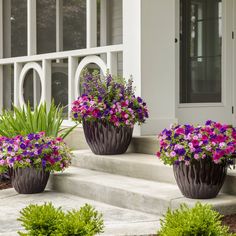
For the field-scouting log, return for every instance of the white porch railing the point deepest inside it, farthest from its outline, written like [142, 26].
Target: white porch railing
[104, 57]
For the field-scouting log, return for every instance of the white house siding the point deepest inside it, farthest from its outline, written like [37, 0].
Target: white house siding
[115, 28]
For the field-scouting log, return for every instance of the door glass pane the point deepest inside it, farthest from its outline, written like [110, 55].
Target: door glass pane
[200, 51]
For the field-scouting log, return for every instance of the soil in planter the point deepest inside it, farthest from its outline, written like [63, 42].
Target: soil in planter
[230, 221]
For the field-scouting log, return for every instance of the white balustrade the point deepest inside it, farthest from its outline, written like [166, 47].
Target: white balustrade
[42, 64]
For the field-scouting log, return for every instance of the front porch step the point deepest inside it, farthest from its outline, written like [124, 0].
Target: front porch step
[131, 193]
[139, 144]
[129, 164]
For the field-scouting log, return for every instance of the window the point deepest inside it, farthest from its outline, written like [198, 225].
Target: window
[200, 51]
[15, 28]
[46, 26]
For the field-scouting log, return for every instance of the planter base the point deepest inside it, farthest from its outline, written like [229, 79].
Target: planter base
[202, 179]
[106, 139]
[29, 180]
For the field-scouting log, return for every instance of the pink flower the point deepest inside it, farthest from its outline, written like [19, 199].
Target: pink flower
[179, 131]
[158, 154]
[173, 154]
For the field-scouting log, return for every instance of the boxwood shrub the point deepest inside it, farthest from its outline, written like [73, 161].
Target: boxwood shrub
[47, 220]
[201, 220]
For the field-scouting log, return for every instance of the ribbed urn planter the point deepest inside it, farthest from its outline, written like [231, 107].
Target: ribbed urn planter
[106, 139]
[29, 180]
[202, 179]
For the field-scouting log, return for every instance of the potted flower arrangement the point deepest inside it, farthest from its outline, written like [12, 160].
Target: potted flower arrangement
[31, 158]
[108, 110]
[200, 156]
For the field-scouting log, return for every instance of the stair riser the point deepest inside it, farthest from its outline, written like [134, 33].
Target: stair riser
[131, 169]
[229, 186]
[147, 145]
[146, 171]
[109, 195]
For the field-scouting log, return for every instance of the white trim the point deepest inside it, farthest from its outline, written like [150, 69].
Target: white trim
[46, 82]
[72, 65]
[64, 54]
[193, 105]
[91, 23]
[177, 55]
[25, 69]
[112, 62]
[17, 72]
[1, 28]
[31, 27]
[87, 60]
[234, 62]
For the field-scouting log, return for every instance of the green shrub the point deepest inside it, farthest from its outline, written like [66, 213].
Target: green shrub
[46, 220]
[86, 221]
[41, 220]
[201, 220]
[23, 121]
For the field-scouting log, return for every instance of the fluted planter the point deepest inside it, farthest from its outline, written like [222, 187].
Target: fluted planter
[29, 180]
[202, 179]
[105, 139]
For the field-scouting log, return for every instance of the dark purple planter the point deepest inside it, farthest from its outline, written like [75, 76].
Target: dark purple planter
[106, 139]
[202, 179]
[29, 180]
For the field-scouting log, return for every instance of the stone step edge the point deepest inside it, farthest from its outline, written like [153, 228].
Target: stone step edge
[127, 198]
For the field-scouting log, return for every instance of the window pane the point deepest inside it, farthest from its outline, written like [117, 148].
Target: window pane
[46, 26]
[200, 51]
[74, 24]
[15, 28]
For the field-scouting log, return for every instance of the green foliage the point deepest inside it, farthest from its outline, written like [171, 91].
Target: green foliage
[40, 220]
[86, 221]
[201, 220]
[23, 121]
[46, 220]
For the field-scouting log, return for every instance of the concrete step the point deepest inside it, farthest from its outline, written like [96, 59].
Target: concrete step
[142, 144]
[118, 221]
[129, 164]
[137, 165]
[131, 193]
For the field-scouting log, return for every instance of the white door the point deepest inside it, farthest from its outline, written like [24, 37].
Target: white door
[205, 84]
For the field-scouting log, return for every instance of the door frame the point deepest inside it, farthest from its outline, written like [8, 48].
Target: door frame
[224, 108]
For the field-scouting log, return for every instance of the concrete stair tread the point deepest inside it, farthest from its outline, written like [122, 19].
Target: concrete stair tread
[118, 221]
[135, 165]
[127, 192]
[126, 157]
[151, 188]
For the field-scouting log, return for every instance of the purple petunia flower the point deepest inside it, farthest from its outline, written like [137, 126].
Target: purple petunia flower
[30, 136]
[23, 146]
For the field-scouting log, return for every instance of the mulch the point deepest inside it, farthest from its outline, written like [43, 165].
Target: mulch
[230, 221]
[4, 184]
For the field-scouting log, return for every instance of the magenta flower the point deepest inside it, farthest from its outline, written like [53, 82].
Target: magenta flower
[188, 143]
